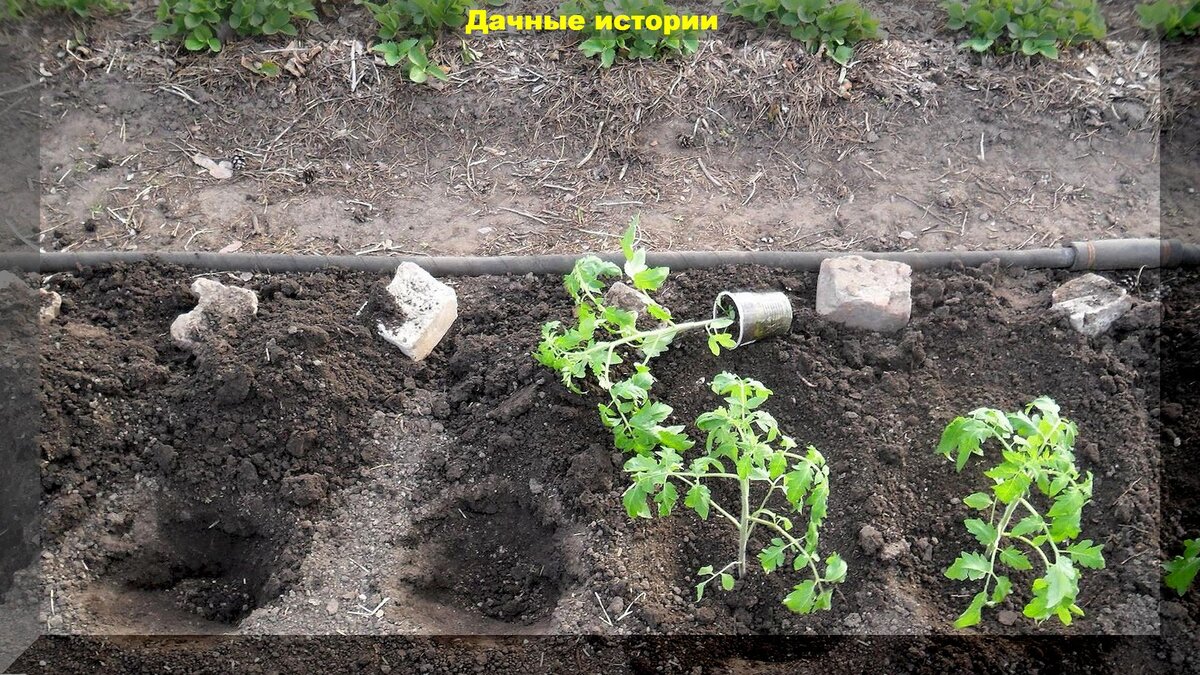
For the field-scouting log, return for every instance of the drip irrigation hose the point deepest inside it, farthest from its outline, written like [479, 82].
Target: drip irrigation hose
[1113, 254]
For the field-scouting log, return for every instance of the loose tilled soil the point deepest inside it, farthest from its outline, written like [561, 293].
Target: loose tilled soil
[300, 476]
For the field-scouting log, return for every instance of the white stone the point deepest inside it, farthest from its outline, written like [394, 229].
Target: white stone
[217, 304]
[429, 308]
[51, 306]
[1091, 302]
[859, 293]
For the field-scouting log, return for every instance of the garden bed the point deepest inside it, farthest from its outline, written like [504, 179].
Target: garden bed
[303, 477]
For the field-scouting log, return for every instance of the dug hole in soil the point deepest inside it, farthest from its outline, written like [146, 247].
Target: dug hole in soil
[297, 474]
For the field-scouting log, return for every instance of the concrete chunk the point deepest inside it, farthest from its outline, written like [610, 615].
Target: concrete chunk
[425, 309]
[1092, 303]
[51, 306]
[859, 293]
[218, 304]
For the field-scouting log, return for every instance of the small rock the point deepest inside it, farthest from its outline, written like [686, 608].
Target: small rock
[305, 489]
[425, 310]
[859, 293]
[300, 442]
[625, 297]
[1008, 617]
[706, 615]
[218, 304]
[332, 607]
[870, 539]
[247, 475]
[615, 607]
[51, 306]
[894, 551]
[1091, 302]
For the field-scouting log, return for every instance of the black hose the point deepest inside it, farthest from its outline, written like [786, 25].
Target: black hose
[1113, 254]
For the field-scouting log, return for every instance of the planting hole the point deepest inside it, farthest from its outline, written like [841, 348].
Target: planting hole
[495, 556]
[205, 562]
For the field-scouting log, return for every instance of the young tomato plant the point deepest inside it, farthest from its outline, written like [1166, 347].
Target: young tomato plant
[1028, 26]
[774, 482]
[605, 335]
[1174, 19]
[1181, 571]
[834, 27]
[1036, 449]
[609, 45]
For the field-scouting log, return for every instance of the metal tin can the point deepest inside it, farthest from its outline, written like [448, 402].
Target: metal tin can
[756, 315]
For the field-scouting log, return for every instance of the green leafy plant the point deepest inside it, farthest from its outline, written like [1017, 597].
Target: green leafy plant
[1036, 449]
[421, 21]
[12, 9]
[198, 22]
[821, 25]
[612, 346]
[1030, 27]
[1181, 571]
[774, 481]
[1173, 19]
[413, 52]
[609, 45]
[605, 335]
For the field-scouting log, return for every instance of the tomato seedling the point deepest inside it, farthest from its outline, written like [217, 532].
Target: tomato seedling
[1037, 453]
[744, 445]
[1181, 571]
[608, 337]
[775, 482]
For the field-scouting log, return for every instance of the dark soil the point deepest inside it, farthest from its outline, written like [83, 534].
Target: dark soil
[493, 553]
[273, 418]
[678, 655]
[243, 436]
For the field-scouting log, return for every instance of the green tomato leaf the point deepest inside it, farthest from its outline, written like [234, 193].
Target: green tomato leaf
[971, 566]
[1087, 555]
[1182, 570]
[978, 501]
[698, 499]
[1002, 589]
[835, 569]
[985, 533]
[974, 612]
[1015, 559]
[803, 598]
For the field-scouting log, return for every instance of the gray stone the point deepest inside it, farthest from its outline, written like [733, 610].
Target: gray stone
[1091, 303]
[894, 551]
[870, 294]
[428, 308]
[217, 304]
[623, 296]
[1008, 617]
[9, 279]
